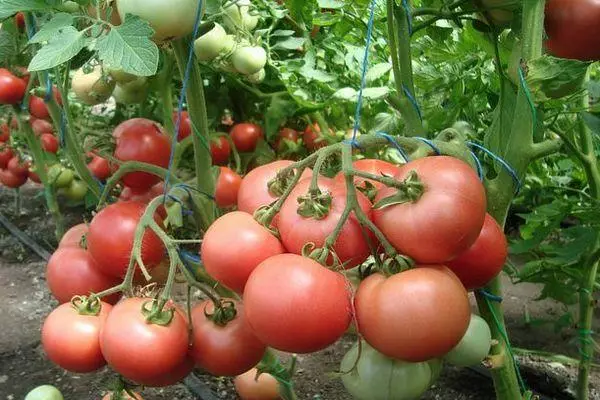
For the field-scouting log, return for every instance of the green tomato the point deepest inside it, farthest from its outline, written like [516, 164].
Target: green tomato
[121, 76]
[212, 43]
[76, 191]
[169, 19]
[257, 77]
[377, 377]
[237, 15]
[94, 87]
[474, 347]
[131, 93]
[44, 392]
[69, 6]
[60, 176]
[249, 60]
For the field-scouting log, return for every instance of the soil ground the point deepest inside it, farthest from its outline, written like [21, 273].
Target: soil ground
[26, 301]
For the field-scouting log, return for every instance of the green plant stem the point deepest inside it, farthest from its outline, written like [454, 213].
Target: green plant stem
[166, 94]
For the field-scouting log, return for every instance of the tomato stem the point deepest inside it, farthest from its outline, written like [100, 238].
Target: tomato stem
[166, 95]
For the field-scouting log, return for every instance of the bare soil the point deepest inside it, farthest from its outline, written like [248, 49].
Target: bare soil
[26, 301]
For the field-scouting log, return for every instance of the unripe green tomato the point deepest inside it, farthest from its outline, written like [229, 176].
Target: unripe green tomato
[237, 15]
[44, 392]
[76, 191]
[249, 60]
[94, 87]
[69, 6]
[209, 45]
[60, 176]
[257, 77]
[121, 76]
[169, 19]
[475, 345]
[134, 92]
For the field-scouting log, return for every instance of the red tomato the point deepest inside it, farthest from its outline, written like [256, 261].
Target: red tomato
[20, 21]
[111, 234]
[220, 149]
[4, 133]
[34, 177]
[71, 340]
[72, 238]
[484, 259]
[14, 124]
[8, 179]
[49, 143]
[352, 247]
[185, 127]
[573, 29]
[286, 134]
[224, 350]
[41, 126]
[249, 387]
[143, 141]
[18, 167]
[228, 186]
[294, 304]
[253, 244]
[6, 154]
[72, 271]
[99, 167]
[12, 89]
[445, 220]
[312, 137]
[170, 377]
[372, 166]
[38, 108]
[415, 315]
[245, 136]
[254, 191]
[139, 350]
[23, 73]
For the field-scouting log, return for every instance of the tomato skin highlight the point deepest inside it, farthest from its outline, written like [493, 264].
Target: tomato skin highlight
[228, 186]
[71, 340]
[266, 387]
[72, 271]
[245, 136]
[12, 89]
[142, 351]
[220, 149]
[309, 309]
[72, 237]
[484, 260]
[415, 315]
[445, 220]
[224, 350]
[254, 244]
[111, 234]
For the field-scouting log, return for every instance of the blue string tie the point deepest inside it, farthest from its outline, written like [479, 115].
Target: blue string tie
[502, 162]
[430, 144]
[394, 143]
[490, 296]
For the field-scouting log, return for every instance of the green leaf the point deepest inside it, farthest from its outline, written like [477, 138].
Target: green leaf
[317, 75]
[10, 7]
[331, 4]
[592, 121]
[291, 43]
[283, 33]
[128, 47]
[175, 215]
[550, 77]
[346, 93]
[64, 46]
[326, 19]
[52, 28]
[8, 46]
[377, 71]
[374, 93]
[279, 110]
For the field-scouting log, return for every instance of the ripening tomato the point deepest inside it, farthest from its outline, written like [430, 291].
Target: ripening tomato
[294, 304]
[72, 271]
[185, 126]
[286, 134]
[138, 349]
[71, 340]
[475, 345]
[224, 350]
[38, 108]
[312, 137]
[6, 154]
[111, 234]
[4, 133]
[415, 315]
[228, 185]
[352, 245]
[33, 176]
[49, 143]
[445, 220]
[573, 29]
[8, 179]
[220, 149]
[99, 167]
[18, 166]
[253, 244]
[73, 237]
[41, 126]
[170, 377]
[250, 387]
[144, 141]
[20, 21]
[484, 260]
[245, 136]
[372, 166]
[12, 89]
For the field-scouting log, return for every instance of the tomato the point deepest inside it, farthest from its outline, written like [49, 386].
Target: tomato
[133, 92]
[139, 350]
[475, 345]
[170, 377]
[34, 177]
[250, 387]
[445, 220]
[286, 134]
[123, 396]
[37, 108]
[573, 30]
[99, 167]
[72, 271]
[352, 245]
[4, 133]
[76, 191]
[484, 260]
[220, 149]
[294, 304]
[245, 136]
[224, 350]
[92, 87]
[228, 186]
[237, 16]
[249, 60]
[18, 166]
[49, 143]
[71, 340]
[254, 191]
[60, 176]
[372, 166]
[20, 21]
[143, 141]
[371, 375]
[173, 19]
[44, 392]
[41, 126]
[111, 234]
[430, 300]
[257, 77]
[6, 154]
[12, 89]
[211, 43]
[73, 237]
[8, 179]
[312, 137]
[253, 244]
[185, 126]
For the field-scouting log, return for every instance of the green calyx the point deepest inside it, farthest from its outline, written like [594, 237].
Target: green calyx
[410, 191]
[224, 313]
[315, 204]
[396, 264]
[281, 182]
[156, 314]
[87, 305]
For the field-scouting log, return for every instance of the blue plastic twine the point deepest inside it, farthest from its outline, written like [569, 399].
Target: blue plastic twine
[489, 295]
[412, 100]
[406, 8]
[430, 144]
[395, 144]
[478, 164]
[504, 164]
